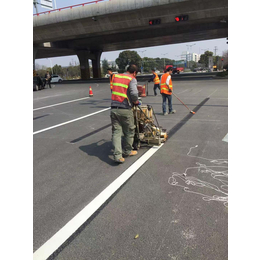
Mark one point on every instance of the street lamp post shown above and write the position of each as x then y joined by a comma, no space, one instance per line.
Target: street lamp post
164,59
51,64
142,61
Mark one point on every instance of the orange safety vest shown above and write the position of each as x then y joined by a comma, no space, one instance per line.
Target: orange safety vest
164,87
156,80
111,80
119,86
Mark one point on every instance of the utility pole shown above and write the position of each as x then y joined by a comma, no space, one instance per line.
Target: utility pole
164,59
216,50
35,5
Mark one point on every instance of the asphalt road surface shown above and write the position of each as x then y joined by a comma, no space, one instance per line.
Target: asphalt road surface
174,206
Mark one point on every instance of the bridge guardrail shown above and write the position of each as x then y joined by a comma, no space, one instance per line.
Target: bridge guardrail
70,7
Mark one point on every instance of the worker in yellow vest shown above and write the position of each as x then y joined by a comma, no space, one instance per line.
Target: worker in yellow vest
124,96
110,72
166,91
156,81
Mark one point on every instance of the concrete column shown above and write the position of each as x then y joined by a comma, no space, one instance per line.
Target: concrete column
83,56
96,64
35,49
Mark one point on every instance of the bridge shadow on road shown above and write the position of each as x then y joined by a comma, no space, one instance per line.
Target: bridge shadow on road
101,149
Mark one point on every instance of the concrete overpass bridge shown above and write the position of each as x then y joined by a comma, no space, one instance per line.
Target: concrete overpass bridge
88,30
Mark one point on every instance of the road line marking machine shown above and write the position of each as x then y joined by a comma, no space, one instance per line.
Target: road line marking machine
146,130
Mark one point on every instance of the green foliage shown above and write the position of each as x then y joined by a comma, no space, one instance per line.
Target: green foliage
126,58
204,58
105,66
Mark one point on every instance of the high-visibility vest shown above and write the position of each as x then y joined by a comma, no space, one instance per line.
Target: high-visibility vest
164,87
119,86
111,80
156,80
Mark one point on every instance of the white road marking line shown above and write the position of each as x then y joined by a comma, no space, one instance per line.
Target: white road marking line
225,139
65,123
212,92
197,92
58,104
49,247
182,91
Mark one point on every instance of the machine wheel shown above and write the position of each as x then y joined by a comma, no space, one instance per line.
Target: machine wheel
136,145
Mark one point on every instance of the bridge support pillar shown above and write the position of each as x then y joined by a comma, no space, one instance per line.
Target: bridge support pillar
96,64
35,49
83,56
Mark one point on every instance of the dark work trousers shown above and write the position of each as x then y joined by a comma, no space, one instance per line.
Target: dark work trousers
169,97
48,82
155,87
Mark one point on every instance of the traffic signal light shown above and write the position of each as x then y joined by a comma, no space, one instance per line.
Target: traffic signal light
155,22
181,18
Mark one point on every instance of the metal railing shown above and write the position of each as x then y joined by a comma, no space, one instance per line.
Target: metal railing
70,7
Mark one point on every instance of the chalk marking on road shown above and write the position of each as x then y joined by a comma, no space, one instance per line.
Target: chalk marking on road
49,247
191,184
71,121
58,104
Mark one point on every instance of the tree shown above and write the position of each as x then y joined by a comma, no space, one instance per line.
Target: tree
204,58
127,58
57,69
105,66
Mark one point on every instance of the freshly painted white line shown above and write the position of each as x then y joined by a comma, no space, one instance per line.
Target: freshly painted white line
74,224
76,119
58,104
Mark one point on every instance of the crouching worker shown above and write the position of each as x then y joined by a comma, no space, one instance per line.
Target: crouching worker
124,96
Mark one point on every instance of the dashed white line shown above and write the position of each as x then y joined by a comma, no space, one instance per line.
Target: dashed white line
182,91
68,122
49,247
58,104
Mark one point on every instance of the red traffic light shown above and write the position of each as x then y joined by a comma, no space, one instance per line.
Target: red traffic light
181,18
155,22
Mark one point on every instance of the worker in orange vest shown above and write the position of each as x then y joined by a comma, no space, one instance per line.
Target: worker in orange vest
110,72
124,96
156,81
166,91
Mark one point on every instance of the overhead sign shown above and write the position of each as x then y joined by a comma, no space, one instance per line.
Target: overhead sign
210,62
178,62
47,4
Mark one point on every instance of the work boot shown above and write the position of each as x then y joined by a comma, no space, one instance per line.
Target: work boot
121,160
165,114
133,152
172,112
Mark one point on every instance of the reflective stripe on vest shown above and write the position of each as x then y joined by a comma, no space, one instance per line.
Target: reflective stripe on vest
164,87
156,80
119,87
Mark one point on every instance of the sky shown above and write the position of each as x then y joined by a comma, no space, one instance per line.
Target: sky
173,50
